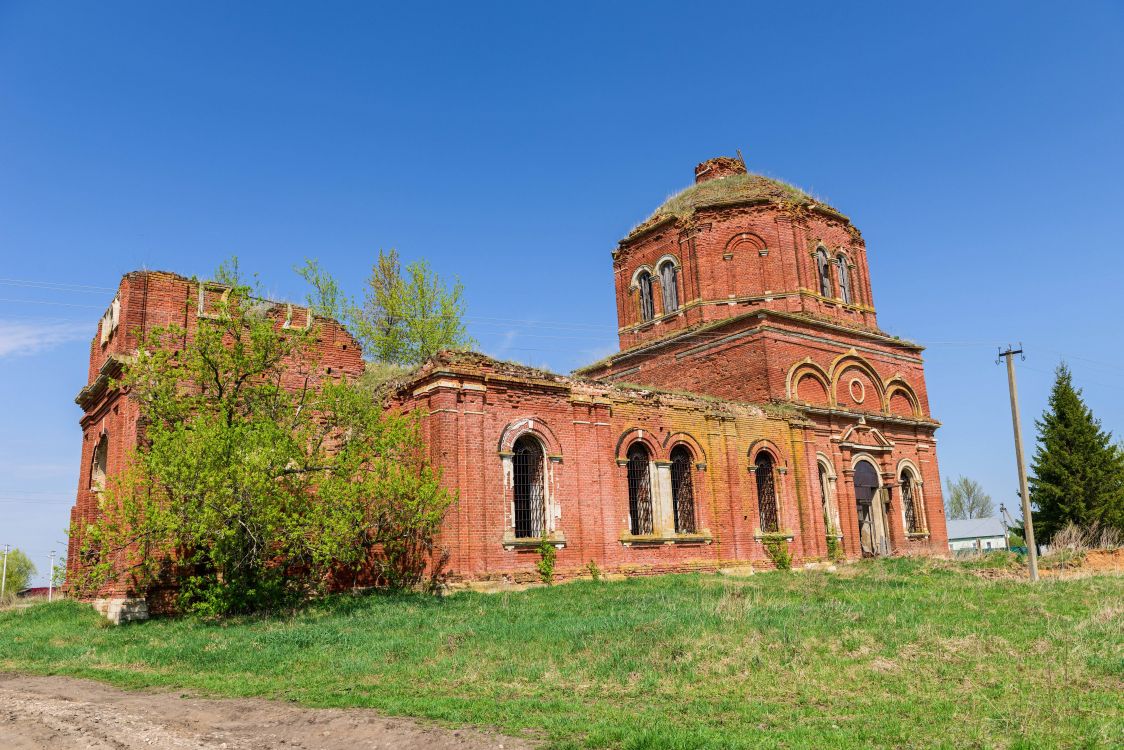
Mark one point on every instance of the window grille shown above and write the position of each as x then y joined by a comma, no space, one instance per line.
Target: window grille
639,491
682,491
909,504
530,510
767,494
823,268
669,277
844,278
647,306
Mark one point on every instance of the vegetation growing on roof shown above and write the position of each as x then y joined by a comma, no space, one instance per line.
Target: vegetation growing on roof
737,188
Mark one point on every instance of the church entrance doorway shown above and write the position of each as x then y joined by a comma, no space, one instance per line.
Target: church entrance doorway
871,513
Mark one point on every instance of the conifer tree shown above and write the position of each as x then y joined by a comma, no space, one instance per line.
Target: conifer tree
1078,472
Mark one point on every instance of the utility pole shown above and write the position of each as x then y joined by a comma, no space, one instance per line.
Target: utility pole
4,577
1028,521
51,577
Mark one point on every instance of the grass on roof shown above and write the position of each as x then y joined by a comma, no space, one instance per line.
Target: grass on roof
731,189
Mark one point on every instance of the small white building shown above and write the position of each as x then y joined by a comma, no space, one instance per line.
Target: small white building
977,534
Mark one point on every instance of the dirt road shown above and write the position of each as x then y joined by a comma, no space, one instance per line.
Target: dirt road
62,713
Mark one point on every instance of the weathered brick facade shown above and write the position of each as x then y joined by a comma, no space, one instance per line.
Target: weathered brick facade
752,372
146,300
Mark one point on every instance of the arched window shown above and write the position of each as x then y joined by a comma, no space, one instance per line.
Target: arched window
98,463
825,499
767,493
647,307
527,465
669,284
682,490
844,277
823,270
914,519
639,490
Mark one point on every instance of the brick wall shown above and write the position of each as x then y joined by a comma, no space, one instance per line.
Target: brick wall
146,300
754,359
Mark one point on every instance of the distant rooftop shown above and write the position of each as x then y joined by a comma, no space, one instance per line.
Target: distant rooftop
974,528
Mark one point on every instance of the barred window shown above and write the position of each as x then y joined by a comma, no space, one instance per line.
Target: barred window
767,493
914,523
669,277
844,277
639,490
682,490
530,515
647,306
823,270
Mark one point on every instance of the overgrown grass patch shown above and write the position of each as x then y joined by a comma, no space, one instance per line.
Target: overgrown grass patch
894,653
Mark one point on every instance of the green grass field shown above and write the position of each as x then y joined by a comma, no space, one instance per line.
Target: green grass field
894,653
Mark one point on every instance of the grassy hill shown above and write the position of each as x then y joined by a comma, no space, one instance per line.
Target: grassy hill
893,653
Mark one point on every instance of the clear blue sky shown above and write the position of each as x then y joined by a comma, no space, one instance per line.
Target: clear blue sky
977,146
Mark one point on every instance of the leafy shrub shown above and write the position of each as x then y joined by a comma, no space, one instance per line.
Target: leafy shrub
545,565
777,549
834,549
594,571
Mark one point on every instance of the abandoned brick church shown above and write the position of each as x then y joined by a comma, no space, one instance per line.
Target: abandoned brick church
754,399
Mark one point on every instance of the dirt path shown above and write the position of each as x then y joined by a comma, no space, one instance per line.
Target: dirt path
62,713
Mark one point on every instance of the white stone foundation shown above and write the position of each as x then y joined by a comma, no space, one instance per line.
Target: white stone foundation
122,610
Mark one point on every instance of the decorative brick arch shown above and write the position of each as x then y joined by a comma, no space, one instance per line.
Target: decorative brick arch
852,361
659,264
898,385
633,283
806,368
524,425
764,444
745,238
639,435
909,463
685,438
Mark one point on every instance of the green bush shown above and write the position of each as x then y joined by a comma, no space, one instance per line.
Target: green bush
777,549
594,571
547,556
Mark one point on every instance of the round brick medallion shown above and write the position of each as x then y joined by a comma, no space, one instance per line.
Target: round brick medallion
858,390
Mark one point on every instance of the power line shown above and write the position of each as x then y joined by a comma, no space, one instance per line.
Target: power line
58,286
45,302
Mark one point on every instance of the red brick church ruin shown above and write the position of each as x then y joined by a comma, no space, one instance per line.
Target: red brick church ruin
754,399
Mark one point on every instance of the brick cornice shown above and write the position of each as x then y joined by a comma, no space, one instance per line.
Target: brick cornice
738,322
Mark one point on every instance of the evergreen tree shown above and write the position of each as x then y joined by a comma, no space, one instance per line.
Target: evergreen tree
1078,472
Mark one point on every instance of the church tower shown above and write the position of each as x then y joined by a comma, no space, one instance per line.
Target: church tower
748,289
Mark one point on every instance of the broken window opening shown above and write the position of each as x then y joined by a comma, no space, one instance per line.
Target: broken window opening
823,269
98,463
825,500
844,278
913,519
669,284
647,306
